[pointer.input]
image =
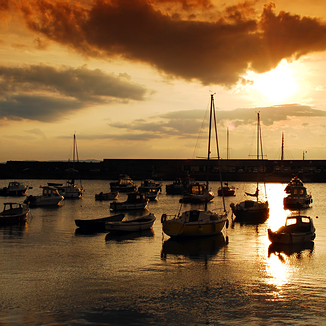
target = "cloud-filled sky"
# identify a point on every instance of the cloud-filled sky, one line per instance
(133, 79)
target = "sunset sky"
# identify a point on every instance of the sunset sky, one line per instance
(133, 78)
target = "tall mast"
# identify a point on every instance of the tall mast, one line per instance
(282, 148)
(227, 143)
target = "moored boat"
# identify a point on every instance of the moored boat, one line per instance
(297, 197)
(97, 225)
(195, 222)
(226, 190)
(179, 186)
(14, 189)
(297, 229)
(13, 213)
(124, 184)
(253, 211)
(49, 197)
(107, 195)
(138, 224)
(135, 200)
(149, 185)
(197, 193)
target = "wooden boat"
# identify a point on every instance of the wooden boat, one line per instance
(138, 224)
(124, 184)
(13, 213)
(197, 223)
(49, 197)
(297, 229)
(197, 193)
(297, 197)
(14, 189)
(107, 195)
(97, 225)
(253, 211)
(134, 201)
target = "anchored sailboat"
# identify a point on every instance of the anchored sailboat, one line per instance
(253, 211)
(197, 222)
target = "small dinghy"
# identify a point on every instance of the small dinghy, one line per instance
(97, 225)
(138, 224)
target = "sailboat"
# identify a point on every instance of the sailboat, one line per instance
(226, 190)
(197, 222)
(253, 211)
(71, 190)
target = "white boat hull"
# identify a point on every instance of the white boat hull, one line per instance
(139, 224)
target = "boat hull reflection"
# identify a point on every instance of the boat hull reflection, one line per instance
(290, 249)
(194, 248)
(122, 236)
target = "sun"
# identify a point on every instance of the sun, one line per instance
(278, 84)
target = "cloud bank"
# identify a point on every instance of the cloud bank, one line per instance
(44, 93)
(216, 50)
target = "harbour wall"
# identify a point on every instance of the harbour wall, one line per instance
(169, 169)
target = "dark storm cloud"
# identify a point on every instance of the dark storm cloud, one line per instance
(181, 44)
(45, 93)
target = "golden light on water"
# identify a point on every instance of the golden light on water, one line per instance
(277, 215)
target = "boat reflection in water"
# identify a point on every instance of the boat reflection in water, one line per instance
(123, 236)
(278, 249)
(194, 248)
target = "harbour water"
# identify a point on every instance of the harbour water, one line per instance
(52, 275)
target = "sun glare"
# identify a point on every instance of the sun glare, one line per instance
(278, 84)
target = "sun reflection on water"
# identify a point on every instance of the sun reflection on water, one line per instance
(277, 214)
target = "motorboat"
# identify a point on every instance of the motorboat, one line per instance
(197, 193)
(138, 224)
(49, 197)
(297, 229)
(195, 222)
(112, 195)
(179, 186)
(135, 200)
(13, 213)
(98, 224)
(124, 184)
(297, 197)
(149, 185)
(151, 194)
(14, 189)
(226, 190)
(253, 211)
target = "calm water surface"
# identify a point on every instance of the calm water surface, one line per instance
(51, 275)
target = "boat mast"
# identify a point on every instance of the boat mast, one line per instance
(218, 155)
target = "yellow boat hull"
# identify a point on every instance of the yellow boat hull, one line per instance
(175, 228)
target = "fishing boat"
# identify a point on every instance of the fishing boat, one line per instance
(195, 222)
(298, 196)
(98, 224)
(297, 229)
(197, 193)
(107, 195)
(135, 200)
(138, 224)
(71, 190)
(124, 184)
(14, 189)
(49, 197)
(13, 213)
(253, 211)
(149, 185)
